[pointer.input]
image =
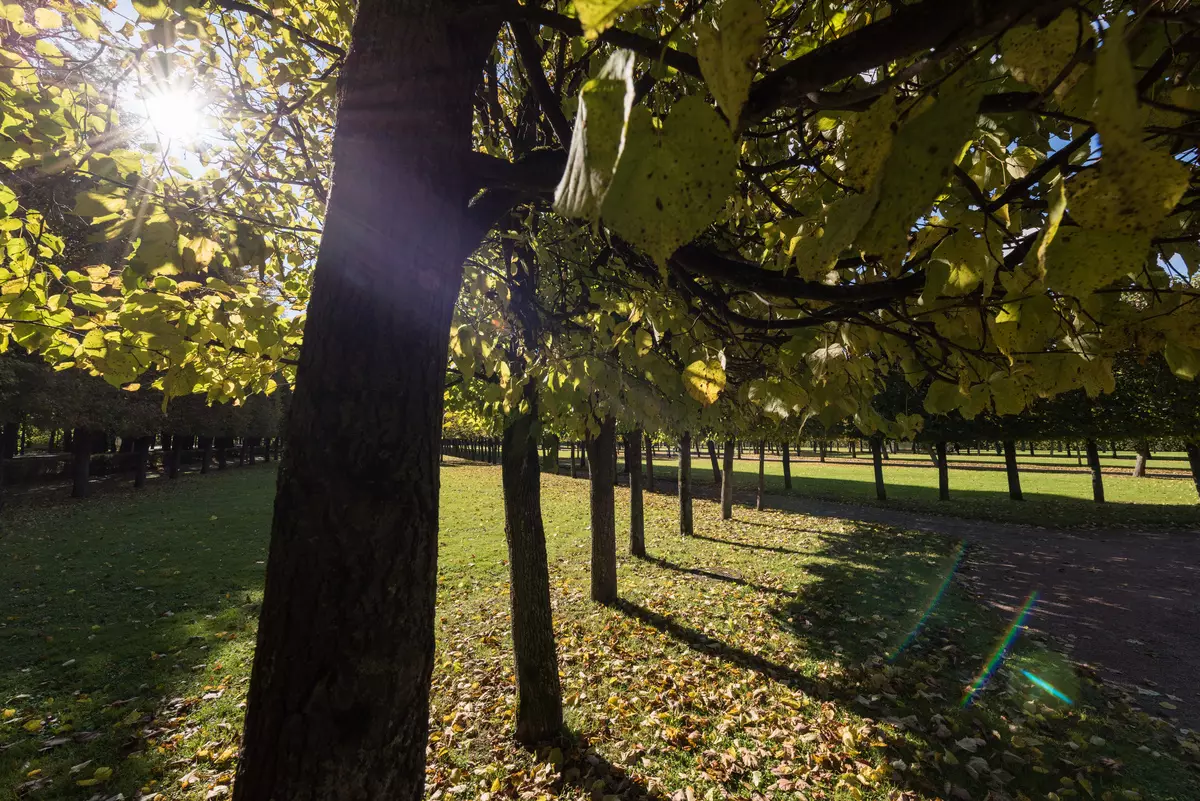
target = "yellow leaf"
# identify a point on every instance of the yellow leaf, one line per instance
(47, 19)
(704, 381)
(102, 774)
(9, 713)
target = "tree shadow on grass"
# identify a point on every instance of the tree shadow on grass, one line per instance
(751, 546)
(709, 574)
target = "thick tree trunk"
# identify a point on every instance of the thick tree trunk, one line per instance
(601, 454)
(877, 460)
(1010, 465)
(81, 467)
(649, 463)
(9, 437)
(1093, 455)
(1143, 456)
(727, 482)
(338, 703)
(943, 472)
(762, 475)
(1193, 456)
(637, 522)
(685, 484)
(141, 460)
(716, 465)
(539, 696)
(787, 468)
(222, 452)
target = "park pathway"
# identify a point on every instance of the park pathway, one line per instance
(1125, 603)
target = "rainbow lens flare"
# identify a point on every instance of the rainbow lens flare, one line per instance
(1001, 650)
(933, 603)
(1047, 686)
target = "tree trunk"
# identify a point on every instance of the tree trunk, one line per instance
(762, 475)
(9, 437)
(602, 455)
(338, 704)
(1143, 456)
(81, 467)
(1010, 465)
(1093, 455)
(823, 446)
(222, 452)
(877, 460)
(584, 462)
(685, 484)
(727, 482)
(552, 454)
(1193, 456)
(787, 468)
(539, 696)
(175, 457)
(716, 465)
(943, 472)
(205, 454)
(637, 522)
(649, 463)
(574, 472)
(141, 460)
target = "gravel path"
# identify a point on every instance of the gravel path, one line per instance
(1125, 603)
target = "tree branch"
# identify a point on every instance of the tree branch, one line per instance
(267, 16)
(531, 58)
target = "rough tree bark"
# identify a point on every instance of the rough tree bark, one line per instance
(81, 466)
(601, 454)
(762, 475)
(649, 463)
(539, 695)
(1143, 456)
(1093, 457)
(685, 484)
(943, 472)
(877, 461)
(716, 466)
(338, 704)
(727, 482)
(787, 467)
(637, 520)
(1010, 466)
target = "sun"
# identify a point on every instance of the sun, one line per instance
(175, 115)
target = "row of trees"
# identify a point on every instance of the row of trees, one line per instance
(758, 216)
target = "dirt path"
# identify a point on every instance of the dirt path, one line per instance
(1127, 604)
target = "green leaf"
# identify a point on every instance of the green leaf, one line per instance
(729, 53)
(943, 397)
(95, 204)
(1184, 361)
(597, 15)
(704, 381)
(1037, 56)
(604, 105)
(1079, 261)
(152, 9)
(47, 19)
(671, 183)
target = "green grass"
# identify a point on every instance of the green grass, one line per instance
(1059, 499)
(751, 658)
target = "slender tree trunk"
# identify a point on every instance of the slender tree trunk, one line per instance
(338, 705)
(943, 472)
(1143, 456)
(1193, 456)
(649, 463)
(685, 484)
(716, 465)
(222, 452)
(573, 466)
(877, 460)
(1093, 455)
(539, 696)
(82, 465)
(1010, 465)
(823, 447)
(205, 454)
(787, 468)
(637, 523)
(604, 525)
(584, 461)
(727, 482)
(759, 501)
(175, 457)
(141, 460)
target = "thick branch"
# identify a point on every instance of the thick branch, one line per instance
(531, 58)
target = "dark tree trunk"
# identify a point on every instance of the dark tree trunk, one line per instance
(943, 472)
(601, 454)
(1010, 465)
(649, 463)
(175, 457)
(539, 696)
(716, 466)
(762, 475)
(1193, 456)
(81, 467)
(823, 447)
(1093, 457)
(727, 482)
(1143, 456)
(584, 462)
(877, 461)
(853, 450)
(141, 460)
(787, 468)
(338, 704)
(685, 484)
(552, 454)
(8, 440)
(222, 452)
(205, 454)
(573, 467)
(637, 522)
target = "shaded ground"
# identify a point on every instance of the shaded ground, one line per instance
(1124, 603)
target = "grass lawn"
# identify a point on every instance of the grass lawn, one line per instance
(1053, 499)
(749, 661)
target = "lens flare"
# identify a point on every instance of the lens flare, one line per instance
(1001, 650)
(933, 603)
(1047, 686)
